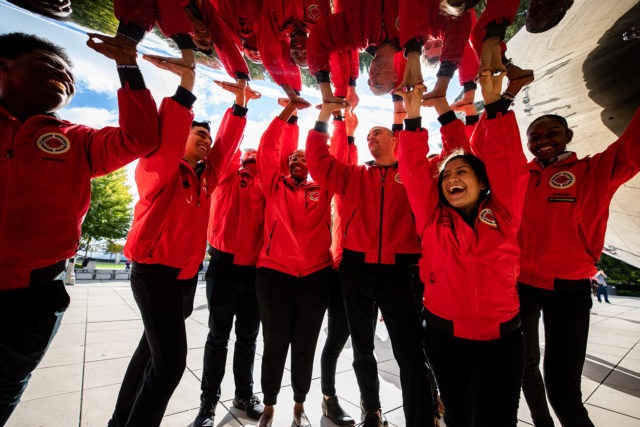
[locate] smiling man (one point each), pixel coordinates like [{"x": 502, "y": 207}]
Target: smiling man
[{"x": 45, "y": 170}]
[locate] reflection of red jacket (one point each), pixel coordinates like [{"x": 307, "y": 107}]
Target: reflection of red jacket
[
  {"x": 278, "y": 20},
  {"x": 345, "y": 67},
  {"x": 240, "y": 17},
  {"x": 45, "y": 185},
  {"x": 497, "y": 11},
  {"x": 224, "y": 43},
  {"x": 469, "y": 273},
  {"x": 170, "y": 219},
  {"x": 376, "y": 217},
  {"x": 168, "y": 14},
  {"x": 297, "y": 231},
  {"x": 567, "y": 207}
]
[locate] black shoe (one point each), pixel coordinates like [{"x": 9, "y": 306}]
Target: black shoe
[
  {"x": 332, "y": 410},
  {"x": 375, "y": 419},
  {"x": 206, "y": 414},
  {"x": 252, "y": 406}
]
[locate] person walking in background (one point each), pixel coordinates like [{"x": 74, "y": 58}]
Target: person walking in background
[{"x": 601, "y": 290}]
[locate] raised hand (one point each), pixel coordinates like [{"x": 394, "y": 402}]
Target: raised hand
[
  {"x": 350, "y": 122},
  {"x": 491, "y": 56},
  {"x": 412, "y": 99},
  {"x": 352, "y": 98},
  {"x": 491, "y": 86},
  {"x": 412, "y": 72},
  {"x": 118, "y": 48}
]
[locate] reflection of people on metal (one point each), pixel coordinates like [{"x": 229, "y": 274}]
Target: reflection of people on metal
[
  {"x": 601, "y": 290},
  {"x": 35, "y": 82},
  {"x": 565, "y": 218},
  {"x": 543, "y": 15},
  {"x": 56, "y": 9}
]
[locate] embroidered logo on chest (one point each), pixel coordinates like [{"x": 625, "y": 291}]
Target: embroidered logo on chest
[
  {"x": 53, "y": 143},
  {"x": 314, "y": 196},
  {"x": 397, "y": 23},
  {"x": 397, "y": 178},
  {"x": 314, "y": 11},
  {"x": 562, "y": 180},
  {"x": 486, "y": 216}
]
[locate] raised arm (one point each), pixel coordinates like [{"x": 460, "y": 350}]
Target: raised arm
[
  {"x": 326, "y": 169},
  {"x": 415, "y": 171},
  {"x": 270, "y": 149},
  {"x": 113, "y": 147}
]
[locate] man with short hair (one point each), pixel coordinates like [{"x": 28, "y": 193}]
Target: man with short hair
[
  {"x": 380, "y": 243},
  {"x": 43, "y": 159}
]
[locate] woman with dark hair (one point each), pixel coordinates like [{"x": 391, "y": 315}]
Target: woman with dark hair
[{"x": 468, "y": 218}]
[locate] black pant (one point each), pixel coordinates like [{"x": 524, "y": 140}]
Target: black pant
[
  {"x": 231, "y": 292},
  {"x": 479, "y": 380},
  {"x": 566, "y": 325},
  {"x": 29, "y": 319},
  {"x": 337, "y": 335},
  {"x": 366, "y": 287},
  {"x": 158, "y": 363},
  {"x": 291, "y": 309}
]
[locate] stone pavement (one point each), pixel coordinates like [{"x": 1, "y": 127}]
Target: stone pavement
[{"x": 77, "y": 382}]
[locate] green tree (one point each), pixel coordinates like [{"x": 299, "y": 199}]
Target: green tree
[
  {"x": 110, "y": 213},
  {"x": 114, "y": 248}
]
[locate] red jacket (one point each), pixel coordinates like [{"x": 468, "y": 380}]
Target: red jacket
[
  {"x": 279, "y": 18},
  {"x": 497, "y": 11},
  {"x": 297, "y": 231},
  {"x": 168, "y": 14},
  {"x": 567, "y": 208},
  {"x": 469, "y": 274},
  {"x": 170, "y": 219},
  {"x": 223, "y": 41},
  {"x": 45, "y": 180},
  {"x": 376, "y": 216},
  {"x": 237, "y": 214}
]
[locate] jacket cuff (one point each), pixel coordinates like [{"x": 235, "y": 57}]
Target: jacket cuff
[
  {"x": 322, "y": 76},
  {"x": 397, "y": 127},
  {"x": 447, "y": 118},
  {"x": 131, "y": 31},
  {"x": 496, "y": 29},
  {"x": 470, "y": 85},
  {"x": 500, "y": 106},
  {"x": 396, "y": 97},
  {"x": 293, "y": 120},
  {"x": 352, "y": 81},
  {"x": 447, "y": 68},
  {"x": 413, "y": 124},
  {"x": 239, "y": 110},
  {"x": 130, "y": 77},
  {"x": 183, "y": 41},
  {"x": 351, "y": 140},
  {"x": 413, "y": 45},
  {"x": 321, "y": 127},
  {"x": 184, "y": 97},
  {"x": 242, "y": 76},
  {"x": 471, "y": 120}
]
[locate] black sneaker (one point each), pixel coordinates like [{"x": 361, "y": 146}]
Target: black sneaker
[
  {"x": 252, "y": 406},
  {"x": 331, "y": 409},
  {"x": 206, "y": 414}
]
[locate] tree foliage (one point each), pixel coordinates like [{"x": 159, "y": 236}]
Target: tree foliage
[
  {"x": 110, "y": 213},
  {"x": 619, "y": 272}
]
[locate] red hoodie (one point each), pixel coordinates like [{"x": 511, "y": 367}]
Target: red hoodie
[
  {"x": 297, "y": 231},
  {"x": 567, "y": 207},
  {"x": 170, "y": 219},
  {"x": 45, "y": 180},
  {"x": 376, "y": 216},
  {"x": 168, "y": 14},
  {"x": 469, "y": 273}
]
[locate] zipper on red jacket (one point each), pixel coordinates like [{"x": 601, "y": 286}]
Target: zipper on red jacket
[
  {"x": 381, "y": 213},
  {"x": 270, "y": 236}
]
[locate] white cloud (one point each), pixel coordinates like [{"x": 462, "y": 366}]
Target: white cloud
[{"x": 90, "y": 116}]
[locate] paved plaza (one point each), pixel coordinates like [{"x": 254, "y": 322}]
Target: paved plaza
[{"x": 77, "y": 382}]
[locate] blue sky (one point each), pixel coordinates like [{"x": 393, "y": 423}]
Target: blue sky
[{"x": 95, "y": 103}]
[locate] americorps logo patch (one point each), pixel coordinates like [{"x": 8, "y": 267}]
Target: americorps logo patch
[
  {"x": 53, "y": 143},
  {"x": 486, "y": 216},
  {"x": 397, "y": 178},
  {"x": 561, "y": 180},
  {"x": 314, "y": 12},
  {"x": 314, "y": 196}
]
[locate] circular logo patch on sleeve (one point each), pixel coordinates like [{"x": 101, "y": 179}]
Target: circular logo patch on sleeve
[
  {"x": 561, "y": 180},
  {"x": 53, "y": 143},
  {"x": 488, "y": 218},
  {"x": 397, "y": 178},
  {"x": 314, "y": 11}
]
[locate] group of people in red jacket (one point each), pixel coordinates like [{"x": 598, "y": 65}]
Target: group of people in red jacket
[{"x": 497, "y": 240}]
